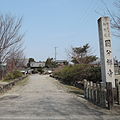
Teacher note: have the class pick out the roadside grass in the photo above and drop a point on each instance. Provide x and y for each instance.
(5, 80)
(23, 82)
(17, 87)
(69, 88)
(75, 90)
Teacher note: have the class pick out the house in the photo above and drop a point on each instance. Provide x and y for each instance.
(61, 62)
(116, 65)
(37, 64)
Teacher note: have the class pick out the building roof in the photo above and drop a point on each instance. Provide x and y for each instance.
(61, 61)
(37, 64)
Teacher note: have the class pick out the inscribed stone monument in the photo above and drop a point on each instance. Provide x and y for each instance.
(107, 63)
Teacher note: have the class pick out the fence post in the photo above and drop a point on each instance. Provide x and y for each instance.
(91, 90)
(118, 91)
(85, 88)
(109, 95)
(102, 94)
(98, 94)
(94, 93)
(89, 97)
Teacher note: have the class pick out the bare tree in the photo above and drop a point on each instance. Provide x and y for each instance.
(9, 35)
(115, 16)
(11, 51)
(16, 59)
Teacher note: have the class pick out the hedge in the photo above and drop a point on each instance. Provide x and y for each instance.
(73, 73)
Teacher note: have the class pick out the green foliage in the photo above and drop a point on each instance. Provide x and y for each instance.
(13, 75)
(65, 63)
(17, 74)
(35, 71)
(78, 72)
(94, 74)
(50, 63)
(30, 60)
(9, 76)
(40, 69)
(80, 55)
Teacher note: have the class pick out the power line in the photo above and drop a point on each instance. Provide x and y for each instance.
(87, 11)
(109, 12)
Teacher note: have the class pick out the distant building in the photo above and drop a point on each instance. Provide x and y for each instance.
(96, 62)
(61, 62)
(37, 64)
(116, 65)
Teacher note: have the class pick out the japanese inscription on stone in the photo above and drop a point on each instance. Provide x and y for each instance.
(107, 64)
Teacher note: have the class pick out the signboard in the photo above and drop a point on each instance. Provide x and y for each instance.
(107, 63)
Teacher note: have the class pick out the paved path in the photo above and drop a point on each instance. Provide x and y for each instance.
(42, 98)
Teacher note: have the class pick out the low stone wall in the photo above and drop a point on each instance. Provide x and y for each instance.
(5, 87)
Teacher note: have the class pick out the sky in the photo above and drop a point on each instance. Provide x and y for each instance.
(59, 23)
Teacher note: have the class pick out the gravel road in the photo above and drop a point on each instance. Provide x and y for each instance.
(42, 98)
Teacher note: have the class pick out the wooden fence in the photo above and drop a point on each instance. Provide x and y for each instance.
(102, 94)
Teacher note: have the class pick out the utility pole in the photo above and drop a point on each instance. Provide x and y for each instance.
(55, 53)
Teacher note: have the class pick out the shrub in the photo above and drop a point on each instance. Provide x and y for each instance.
(40, 69)
(79, 72)
(13, 75)
(9, 76)
(94, 74)
(17, 74)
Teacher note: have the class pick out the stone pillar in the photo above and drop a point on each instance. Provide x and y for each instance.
(85, 88)
(91, 90)
(118, 91)
(94, 93)
(98, 94)
(107, 63)
(110, 96)
(102, 94)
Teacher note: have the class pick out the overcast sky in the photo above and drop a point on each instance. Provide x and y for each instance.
(58, 23)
